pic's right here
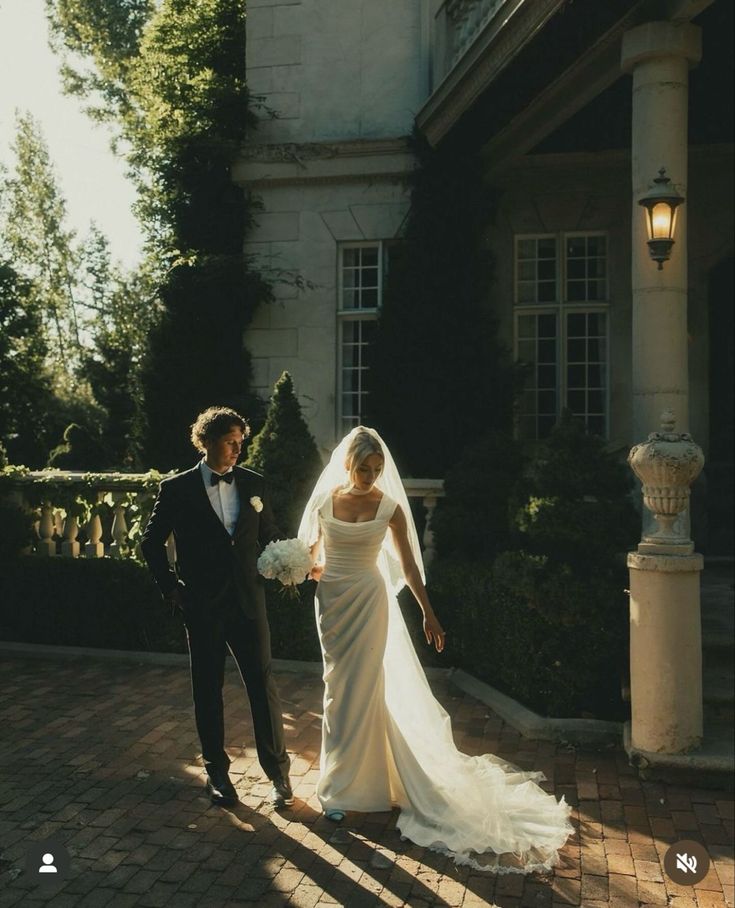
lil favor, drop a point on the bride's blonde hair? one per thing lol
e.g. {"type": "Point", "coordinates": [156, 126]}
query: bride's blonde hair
{"type": "Point", "coordinates": [361, 447]}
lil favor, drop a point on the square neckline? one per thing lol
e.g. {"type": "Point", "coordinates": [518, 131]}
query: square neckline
{"type": "Point", "coordinates": [355, 522]}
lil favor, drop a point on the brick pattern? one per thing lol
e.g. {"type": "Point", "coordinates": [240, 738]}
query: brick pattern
{"type": "Point", "coordinates": [105, 755]}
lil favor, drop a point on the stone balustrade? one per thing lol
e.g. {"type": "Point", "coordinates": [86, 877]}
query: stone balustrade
{"type": "Point", "coordinates": [118, 503]}
{"type": "Point", "coordinates": [456, 25]}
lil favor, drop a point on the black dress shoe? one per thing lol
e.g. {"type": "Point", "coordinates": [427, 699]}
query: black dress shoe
{"type": "Point", "coordinates": [221, 791]}
{"type": "Point", "coordinates": [281, 794]}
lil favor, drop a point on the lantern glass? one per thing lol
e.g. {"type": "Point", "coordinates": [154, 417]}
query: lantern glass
{"type": "Point", "coordinates": [662, 217]}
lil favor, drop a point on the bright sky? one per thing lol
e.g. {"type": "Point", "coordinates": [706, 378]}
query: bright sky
{"type": "Point", "coordinates": [92, 179]}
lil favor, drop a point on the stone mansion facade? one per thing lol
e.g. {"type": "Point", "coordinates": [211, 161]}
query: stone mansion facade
{"type": "Point", "coordinates": [546, 91]}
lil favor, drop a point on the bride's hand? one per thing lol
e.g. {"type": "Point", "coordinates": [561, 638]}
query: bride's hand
{"type": "Point", "coordinates": [434, 632]}
{"type": "Point", "coordinates": [316, 572]}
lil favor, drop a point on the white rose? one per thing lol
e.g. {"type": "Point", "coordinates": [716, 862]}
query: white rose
{"type": "Point", "coordinates": [256, 503]}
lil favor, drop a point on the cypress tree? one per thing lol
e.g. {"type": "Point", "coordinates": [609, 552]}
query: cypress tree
{"type": "Point", "coordinates": [285, 452]}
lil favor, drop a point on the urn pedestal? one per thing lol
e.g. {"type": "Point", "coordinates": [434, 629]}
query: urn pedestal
{"type": "Point", "coordinates": [665, 624]}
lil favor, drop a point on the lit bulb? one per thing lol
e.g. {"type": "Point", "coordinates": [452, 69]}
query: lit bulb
{"type": "Point", "coordinates": [660, 221]}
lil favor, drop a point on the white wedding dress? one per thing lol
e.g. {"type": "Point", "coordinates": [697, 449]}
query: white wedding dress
{"type": "Point", "coordinates": [387, 741]}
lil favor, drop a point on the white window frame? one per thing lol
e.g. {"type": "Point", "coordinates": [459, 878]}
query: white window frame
{"type": "Point", "coordinates": [561, 308]}
{"type": "Point", "coordinates": [353, 315]}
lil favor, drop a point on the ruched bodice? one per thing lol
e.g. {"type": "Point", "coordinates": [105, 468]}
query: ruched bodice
{"type": "Point", "coordinates": [352, 548]}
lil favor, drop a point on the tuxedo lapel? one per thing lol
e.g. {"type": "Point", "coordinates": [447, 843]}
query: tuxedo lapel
{"type": "Point", "coordinates": [247, 513]}
{"type": "Point", "coordinates": [201, 505]}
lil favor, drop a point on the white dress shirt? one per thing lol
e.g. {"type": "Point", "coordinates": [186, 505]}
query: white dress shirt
{"type": "Point", "coordinates": [223, 497]}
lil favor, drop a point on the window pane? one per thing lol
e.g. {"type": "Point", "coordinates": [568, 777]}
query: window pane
{"type": "Point", "coordinates": [547, 326]}
{"type": "Point", "coordinates": [369, 256]}
{"type": "Point", "coordinates": [546, 376]}
{"type": "Point", "coordinates": [349, 331]}
{"type": "Point", "coordinates": [350, 355]}
{"type": "Point", "coordinates": [526, 249]}
{"type": "Point", "coordinates": [349, 380]}
{"type": "Point", "coordinates": [597, 245]}
{"type": "Point", "coordinates": [350, 258]}
{"type": "Point", "coordinates": [576, 291]}
{"type": "Point", "coordinates": [526, 326]}
{"type": "Point", "coordinates": [586, 376]}
{"type": "Point", "coordinates": [527, 351]}
{"type": "Point", "coordinates": [369, 330]}
{"type": "Point", "coordinates": [547, 351]}
{"type": "Point", "coordinates": [576, 376]}
{"type": "Point", "coordinates": [369, 299]}
{"type": "Point", "coordinates": [576, 269]}
{"type": "Point", "coordinates": [576, 402]}
{"type": "Point", "coordinates": [586, 266]}
{"type": "Point", "coordinates": [547, 292]}
{"type": "Point", "coordinates": [547, 402]}
{"type": "Point", "coordinates": [576, 324]}
{"type": "Point", "coordinates": [595, 350]}
{"type": "Point", "coordinates": [369, 277]}
{"type": "Point", "coordinates": [547, 248]}
{"type": "Point", "coordinates": [576, 351]}
{"type": "Point", "coordinates": [576, 246]}
{"type": "Point", "coordinates": [526, 293]}
{"type": "Point", "coordinates": [349, 405]}
{"type": "Point", "coordinates": [349, 299]}
{"type": "Point", "coordinates": [527, 271]}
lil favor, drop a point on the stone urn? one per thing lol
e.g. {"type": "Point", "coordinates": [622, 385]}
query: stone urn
{"type": "Point", "coordinates": [666, 464]}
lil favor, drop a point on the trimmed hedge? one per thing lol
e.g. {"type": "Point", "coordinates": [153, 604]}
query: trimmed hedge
{"type": "Point", "coordinates": [114, 604]}
{"type": "Point", "coordinates": [85, 602]}
{"type": "Point", "coordinates": [535, 631]}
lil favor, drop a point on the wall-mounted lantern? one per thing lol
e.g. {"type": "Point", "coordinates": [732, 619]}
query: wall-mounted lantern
{"type": "Point", "coordinates": [661, 203]}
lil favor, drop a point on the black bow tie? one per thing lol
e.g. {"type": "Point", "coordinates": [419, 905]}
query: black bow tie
{"type": "Point", "coordinates": [224, 477]}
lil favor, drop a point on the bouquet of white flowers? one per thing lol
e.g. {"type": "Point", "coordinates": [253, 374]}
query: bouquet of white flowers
{"type": "Point", "coordinates": [286, 560]}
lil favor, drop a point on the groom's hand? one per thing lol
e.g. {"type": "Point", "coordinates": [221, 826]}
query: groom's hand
{"type": "Point", "coordinates": [175, 599]}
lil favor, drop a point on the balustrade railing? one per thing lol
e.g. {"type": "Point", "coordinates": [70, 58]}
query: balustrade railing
{"type": "Point", "coordinates": [103, 514]}
{"type": "Point", "coordinates": [456, 25]}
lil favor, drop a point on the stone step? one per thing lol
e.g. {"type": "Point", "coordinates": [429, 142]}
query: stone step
{"type": "Point", "coordinates": [710, 766]}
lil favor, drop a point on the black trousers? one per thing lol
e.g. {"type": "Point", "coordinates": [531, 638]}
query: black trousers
{"type": "Point", "coordinates": [212, 628]}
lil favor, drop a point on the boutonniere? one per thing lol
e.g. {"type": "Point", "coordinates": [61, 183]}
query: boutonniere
{"type": "Point", "coordinates": [256, 503]}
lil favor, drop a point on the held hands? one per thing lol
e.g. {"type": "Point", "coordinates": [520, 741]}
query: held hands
{"type": "Point", "coordinates": [316, 572]}
{"type": "Point", "coordinates": [433, 631]}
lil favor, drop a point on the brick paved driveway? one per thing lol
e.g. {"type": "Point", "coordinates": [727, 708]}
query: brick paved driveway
{"type": "Point", "coordinates": [103, 755]}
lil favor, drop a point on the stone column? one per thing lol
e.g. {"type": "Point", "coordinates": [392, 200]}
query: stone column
{"type": "Point", "coordinates": [659, 55]}
{"type": "Point", "coordinates": [665, 634]}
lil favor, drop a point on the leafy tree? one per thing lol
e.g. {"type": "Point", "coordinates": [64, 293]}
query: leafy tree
{"type": "Point", "coordinates": [25, 396]}
{"type": "Point", "coordinates": [285, 452]}
{"type": "Point", "coordinates": [123, 312]}
{"type": "Point", "coordinates": [440, 379]}
{"type": "Point", "coordinates": [80, 450]}
{"type": "Point", "coordinates": [38, 242]}
{"type": "Point", "coordinates": [171, 76]}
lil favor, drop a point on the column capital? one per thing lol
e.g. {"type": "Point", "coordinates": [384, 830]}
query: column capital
{"type": "Point", "coordinates": [657, 40]}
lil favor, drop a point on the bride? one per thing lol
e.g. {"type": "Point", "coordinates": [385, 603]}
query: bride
{"type": "Point", "coordinates": [386, 741]}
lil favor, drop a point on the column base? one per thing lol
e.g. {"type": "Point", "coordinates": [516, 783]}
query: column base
{"type": "Point", "coordinates": [706, 766]}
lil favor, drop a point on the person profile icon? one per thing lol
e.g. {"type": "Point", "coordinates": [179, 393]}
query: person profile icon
{"type": "Point", "coordinates": [48, 864]}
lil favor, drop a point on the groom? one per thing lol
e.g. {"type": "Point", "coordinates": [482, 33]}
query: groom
{"type": "Point", "coordinates": [221, 518]}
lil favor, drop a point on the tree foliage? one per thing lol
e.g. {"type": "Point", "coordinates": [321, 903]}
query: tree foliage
{"type": "Point", "coordinates": [25, 398]}
{"type": "Point", "coordinates": [171, 76]}
{"type": "Point", "coordinates": [440, 379]}
{"type": "Point", "coordinates": [38, 242]}
{"type": "Point", "coordinates": [285, 452]}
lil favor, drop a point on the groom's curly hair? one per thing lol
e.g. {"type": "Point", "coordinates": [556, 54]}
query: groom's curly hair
{"type": "Point", "coordinates": [214, 422]}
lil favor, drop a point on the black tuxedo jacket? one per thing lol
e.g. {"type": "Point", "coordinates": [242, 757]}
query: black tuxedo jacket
{"type": "Point", "coordinates": [209, 562]}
